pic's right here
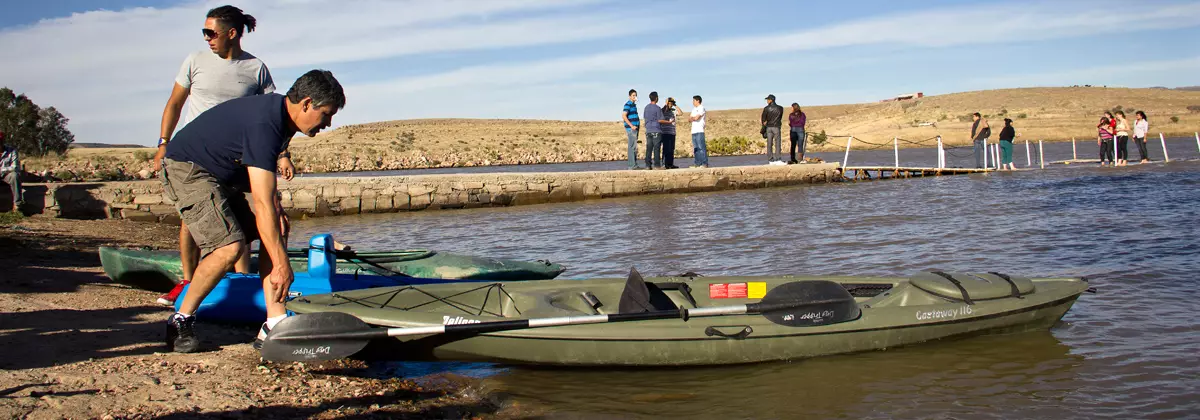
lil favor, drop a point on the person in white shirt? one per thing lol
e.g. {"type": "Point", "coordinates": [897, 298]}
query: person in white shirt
{"type": "Point", "coordinates": [10, 172]}
{"type": "Point", "coordinates": [1140, 128]}
{"type": "Point", "coordinates": [699, 148]}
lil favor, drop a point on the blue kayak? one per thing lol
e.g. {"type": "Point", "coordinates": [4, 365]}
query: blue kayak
{"type": "Point", "coordinates": [238, 298]}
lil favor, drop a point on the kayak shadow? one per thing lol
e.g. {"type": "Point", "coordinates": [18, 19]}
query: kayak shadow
{"type": "Point", "coordinates": [54, 337]}
{"type": "Point", "coordinates": [395, 403]}
{"type": "Point", "coordinates": [47, 280]}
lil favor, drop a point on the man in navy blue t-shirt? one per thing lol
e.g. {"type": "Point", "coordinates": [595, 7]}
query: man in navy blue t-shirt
{"type": "Point", "coordinates": [225, 152]}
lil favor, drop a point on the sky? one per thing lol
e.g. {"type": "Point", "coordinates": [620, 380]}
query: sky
{"type": "Point", "coordinates": [109, 65]}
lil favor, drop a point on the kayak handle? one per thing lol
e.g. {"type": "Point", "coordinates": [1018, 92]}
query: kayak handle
{"type": "Point", "coordinates": [713, 331]}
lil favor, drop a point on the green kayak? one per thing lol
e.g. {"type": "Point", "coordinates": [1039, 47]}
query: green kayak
{"type": "Point", "coordinates": [842, 315]}
{"type": "Point", "coordinates": [161, 270]}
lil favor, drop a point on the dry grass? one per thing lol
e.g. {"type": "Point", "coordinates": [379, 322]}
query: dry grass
{"type": "Point", "coordinates": [1049, 113]}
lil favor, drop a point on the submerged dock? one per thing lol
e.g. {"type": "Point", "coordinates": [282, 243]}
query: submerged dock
{"type": "Point", "coordinates": [864, 173]}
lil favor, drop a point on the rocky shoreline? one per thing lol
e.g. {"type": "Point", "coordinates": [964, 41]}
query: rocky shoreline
{"type": "Point", "coordinates": [84, 347]}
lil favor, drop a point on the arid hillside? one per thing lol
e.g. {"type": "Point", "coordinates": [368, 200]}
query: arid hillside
{"type": "Point", "coordinates": [1051, 114]}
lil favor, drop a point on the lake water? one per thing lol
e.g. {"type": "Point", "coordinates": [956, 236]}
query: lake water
{"type": "Point", "coordinates": [1129, 351]}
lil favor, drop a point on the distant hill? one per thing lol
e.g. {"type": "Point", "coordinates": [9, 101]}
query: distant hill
{"type": "Point", "coordinates": [1052, 114]}
{"type": "Point", "coordinates": [103, 146]}
{"type": "Point", "coordinates": [1189, 88]}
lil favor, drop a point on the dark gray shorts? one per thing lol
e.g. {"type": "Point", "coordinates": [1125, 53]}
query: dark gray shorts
{"type": "Point", "coordinates": [216, 215]}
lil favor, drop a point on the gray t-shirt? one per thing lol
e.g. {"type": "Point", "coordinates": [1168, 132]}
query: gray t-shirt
{"type": "Point", "coordinates": [213, 80]}
{"type": "Point", "coordinates": [650, 119]}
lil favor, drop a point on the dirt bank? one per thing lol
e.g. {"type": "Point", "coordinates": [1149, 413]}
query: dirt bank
{"type": "Point", "coordinates": [79, 346]}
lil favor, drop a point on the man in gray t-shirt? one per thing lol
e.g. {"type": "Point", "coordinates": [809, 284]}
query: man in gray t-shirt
{"type": "Point", "coordinates": [206, 79]}
{"type": "Point", "coordinates": [651, 118]}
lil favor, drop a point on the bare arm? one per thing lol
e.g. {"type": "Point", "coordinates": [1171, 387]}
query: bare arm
{"type": "Point", "coordinates": [170, 118]}
{"type": "Point", "coordinates": [266, 217]}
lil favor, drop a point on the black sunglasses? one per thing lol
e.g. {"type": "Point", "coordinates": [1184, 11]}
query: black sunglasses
{"type": "Point", "coordinates": [208, 33]}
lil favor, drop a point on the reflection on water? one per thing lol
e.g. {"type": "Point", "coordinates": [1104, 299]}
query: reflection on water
{"type": "Point", "coordinates": [1128, 351]}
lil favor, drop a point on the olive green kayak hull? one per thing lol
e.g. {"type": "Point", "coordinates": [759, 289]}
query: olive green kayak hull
{"type": "Point", "coordinates": [161, 270]}
{"type": "Point", "coordinates": [894, 312]}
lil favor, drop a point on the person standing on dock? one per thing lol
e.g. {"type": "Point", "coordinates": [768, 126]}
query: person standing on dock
{"type": "Point", "coordinates": [209, 77]}
{"type": "Point", "coordinates": [654, 116]}
{"type": "Point", "coordinates": [668, 133]}
{"type": "Point", "coordinates": [980, 131]}
{"type": "Point", "coordinates": [630, 115]}
{"type": "Point", "coordinates": [1140, 128]}
{"type": "Point", "coordinates": [699, 147]}
{"type": "Point", "coordinates": [1105, 140]}
{"type": "Point", "coordinates": [796, 121]}
{"type": "Point", "coordinates": [1122, 139]}
{"type": "Point", "coordinates": [213, 162]}
{"type": "Point", "coordinates": [1007, 134]}
{"type": "Point", "coordinates": [10, 172]}
{"type": "Point", "coordinates": [772, 119]}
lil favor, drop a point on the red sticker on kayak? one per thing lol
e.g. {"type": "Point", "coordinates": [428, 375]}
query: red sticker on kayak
{"type": "Point", "coordinates": [737, 290]}
{"type": "Point", "coordinates": [718, 291]}
{"type": "Point", "coordinates": [727, 291]}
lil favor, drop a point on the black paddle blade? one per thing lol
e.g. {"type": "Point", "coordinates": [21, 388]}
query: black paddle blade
{"type": "Point", "coordinates": [808, 303]}
{"type": "Point", "coordinates": [316, 336]}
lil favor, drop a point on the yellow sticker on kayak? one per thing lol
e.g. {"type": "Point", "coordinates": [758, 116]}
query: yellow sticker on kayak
{"type": "Point", "coordinates": [756, 289]}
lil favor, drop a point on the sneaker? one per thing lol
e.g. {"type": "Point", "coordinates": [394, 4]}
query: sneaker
{"type": "Point", "coordinates": [262, 335]}
{"type": "Point", "coordinates": [704, 166]}
{"type": "Point", "coordinates": [168, 299]}
{"type": "Point", "coordinates": [181, 334]}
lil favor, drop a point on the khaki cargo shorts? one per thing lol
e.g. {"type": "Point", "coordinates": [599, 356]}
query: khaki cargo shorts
{"type": "Point", "coordinates": [215, 214]}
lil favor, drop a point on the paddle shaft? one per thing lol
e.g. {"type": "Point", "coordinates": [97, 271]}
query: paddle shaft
{"type": "Point", "coordinates": [494, 326]}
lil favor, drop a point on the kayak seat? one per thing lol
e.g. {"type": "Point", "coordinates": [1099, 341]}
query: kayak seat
{"type": "Point", "coordinates": [561, 303]}
{"type": "Point", "coordinates": [969, 287]}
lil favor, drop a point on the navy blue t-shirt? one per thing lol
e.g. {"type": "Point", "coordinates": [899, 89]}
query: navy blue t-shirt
{"type": "Point", "coordinates": [227, 138]}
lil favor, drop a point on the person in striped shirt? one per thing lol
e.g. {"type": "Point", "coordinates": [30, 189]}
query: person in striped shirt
{"type": "Point", "coordinates": [630, 115]}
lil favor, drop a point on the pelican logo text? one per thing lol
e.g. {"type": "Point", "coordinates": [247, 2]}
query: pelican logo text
{"type": "Point", "coordinates": [944, 313]}
{"type": "Point", "coordinates": [446, 320]}
{"type": "Point", "coordinates": [311, 351]}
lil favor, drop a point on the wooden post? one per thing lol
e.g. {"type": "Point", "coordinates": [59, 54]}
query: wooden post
{"type": "Point", "coordinates": [896, 147]}
{"type": "Point", "coordinates": [1041, 154]}
{"type": "Point", "coordinates": [1074, 152]}
{"type": "Point", "coordinates": [846, 159]}
{"type": "Point", "coordinates": [1166, 157]}
{"type": "Point", "coordinates": [1028, 155]}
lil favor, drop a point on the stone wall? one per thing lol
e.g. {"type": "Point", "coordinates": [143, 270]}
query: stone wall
{"type": "Point", "coordinates": [327, 196]}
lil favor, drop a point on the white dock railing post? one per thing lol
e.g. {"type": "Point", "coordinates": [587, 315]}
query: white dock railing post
{"type": "Point", "coordinates": [846, 159]}
{"type": "Point", "coordinates": [985, 154]}
{"type": "Point", "coordinates": [996, 155]}
{"type": "Point", "coordinates": [1074, 152]}
{"type": "Point", "coordinates": [1166, 157]}
{"type": "Point", "coordinates": [896, 146]}
{"type": "Point", "coordinates": [1041, 154]}
{"type": "Point", "coordinates": [1028, 155]}
{"type": "Point", "coordinates": [941, 154]}
{"type": "Point", "coordinates": [1197, 141]}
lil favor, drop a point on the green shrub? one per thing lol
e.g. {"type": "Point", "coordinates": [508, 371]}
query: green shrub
{"type": "Point", "coordinates": [966, 118]}
{"type": "Point", "coordinates": [142, 155]}
{"type": "Point", "coordinates": [731, 146]}
{"type": "Point", "coordinates": [1174, 119]}
{"type": "Point", "coordinates": [1003, 112]}
{"type": "Point", "coordinates": [1021, 116]}
{"type": "Point", "coordinates": [819, 138]}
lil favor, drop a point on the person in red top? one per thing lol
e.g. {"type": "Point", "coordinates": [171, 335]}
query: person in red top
{"type": "Point", "coordinates": [796, 120]}
{"type": "Point", "coordinates": [1104, 139]}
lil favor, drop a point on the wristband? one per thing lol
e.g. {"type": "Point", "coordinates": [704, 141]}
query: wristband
{"type": "Point", "coordinates": [162, 141]}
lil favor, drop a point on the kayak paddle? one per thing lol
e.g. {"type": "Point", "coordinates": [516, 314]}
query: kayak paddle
{"type": "Point", "coordinates": [336, 335]}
